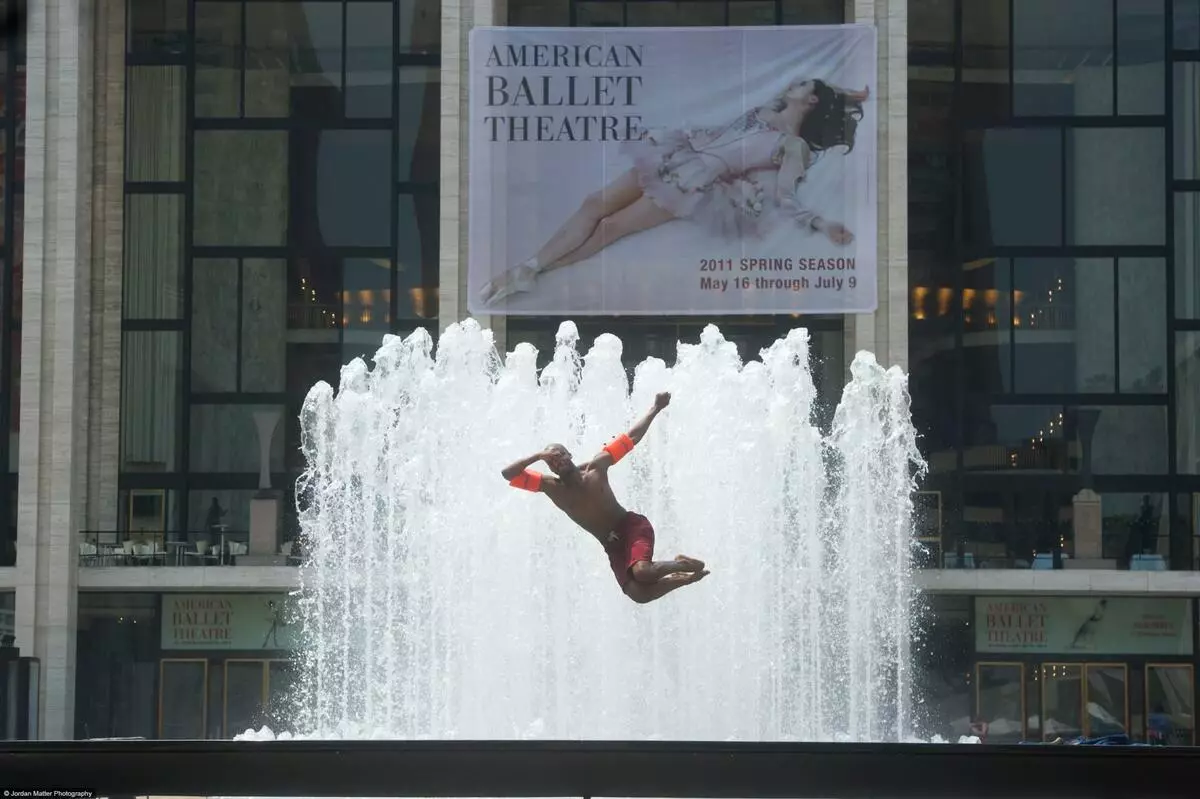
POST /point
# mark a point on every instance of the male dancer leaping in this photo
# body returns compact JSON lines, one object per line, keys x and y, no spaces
{"x":584,"y":494}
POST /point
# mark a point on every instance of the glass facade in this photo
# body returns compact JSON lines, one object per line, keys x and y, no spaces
{"x":281,"y":216}
{"x":12,"y":239}
{"x":144,"y":670}
{"x":1052,"y":235}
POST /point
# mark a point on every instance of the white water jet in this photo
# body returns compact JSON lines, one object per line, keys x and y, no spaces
{"x":438,"y":602}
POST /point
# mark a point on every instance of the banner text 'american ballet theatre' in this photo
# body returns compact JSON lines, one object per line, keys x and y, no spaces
{"x":561,"y":103}
{"x":672,"y":171}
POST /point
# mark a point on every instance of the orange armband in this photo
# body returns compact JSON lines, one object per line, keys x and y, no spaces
{"x":619,"y":447}
{"x":527,"y":480}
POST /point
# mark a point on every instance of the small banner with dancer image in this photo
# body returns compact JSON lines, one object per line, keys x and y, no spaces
{"x":672,"y":170}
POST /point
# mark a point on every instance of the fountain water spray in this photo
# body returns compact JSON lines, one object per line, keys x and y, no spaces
{"x":438,"y":602}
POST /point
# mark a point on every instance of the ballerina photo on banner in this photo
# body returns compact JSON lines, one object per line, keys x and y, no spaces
{"x":732,"y":215}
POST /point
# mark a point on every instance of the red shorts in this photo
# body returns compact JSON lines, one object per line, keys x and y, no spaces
{"x":632,"y":541}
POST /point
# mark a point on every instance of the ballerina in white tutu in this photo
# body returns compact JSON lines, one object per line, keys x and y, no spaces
{"x":734,"y":180}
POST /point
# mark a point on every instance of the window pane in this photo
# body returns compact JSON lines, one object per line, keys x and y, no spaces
{"x":154,"y":144}
{"x":529,"y":13}
{"x":1141,"y":49}
{"x":231,"y":517}
{"x":1062,"y":701}
{"x":281,"y":682}
{"x":1014,"y":187}
{"x":1185,"y":528}
{"x":1000,"y":703}
{"x":314,"y":294}
{"x":153,"y":256}
{"x":1187,"y":120}
{"x":218,"y":59}
{"x":931,"y":27}
{"x":419,"y":121}
{"x":244,"y":681}
{"x":813,"y":12}
{"x":1142,"y":315}
{"x":598,"y":15}
{"x":241,"y":187}
{"x":1062,"y":55}
{"x":354,"y":188}
{"x":675,"y":14}
{"x":1107,"y":699}
{"x":157,"y":26}
{"x":214,"y":325}
{"x":1187,"y":24}
{"x":369,"y":59}
{"x":117,"y":665}
{"x":264,"y":314}
{"x":751,"y":12}
{"x":1187,"y":255}
{"x":1006,"y":437}
{"x":417,"y":256}
{"x":183,"y":697}
{"x":225,"y":438}
{"x":1187,"y":397}
{"x":1058,"y":349}
{"x":294,"y":59}
{"x":1115,"y":186}
{"x":150,"y":392}
{"x":985,"y":40}
{"x":367,"y":295}
{"x":421,"y":26}
{"x":1134,"y":525}
{"x":1170,"y":705}
{"x":1130,"y":440}
{"x":987,"y":324}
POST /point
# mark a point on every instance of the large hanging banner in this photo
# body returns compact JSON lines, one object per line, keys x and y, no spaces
{"x":672,"y":170}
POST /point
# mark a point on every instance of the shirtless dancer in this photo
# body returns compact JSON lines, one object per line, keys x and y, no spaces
{"x":583,"y":493}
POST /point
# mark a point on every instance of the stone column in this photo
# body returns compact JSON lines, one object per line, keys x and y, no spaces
{"x":458,"y":17}
{"x":885,"y":332}
{"x":55,"y":347}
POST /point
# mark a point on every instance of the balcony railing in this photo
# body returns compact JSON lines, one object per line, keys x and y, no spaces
{"x":98,"y":548}
{"x":597,"y":768}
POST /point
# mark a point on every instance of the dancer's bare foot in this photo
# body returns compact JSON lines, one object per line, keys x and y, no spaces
{"x":838,"y":233}
{"x":688,"y":564}
{"x":685,"y":578}
{"x":515,"y":281}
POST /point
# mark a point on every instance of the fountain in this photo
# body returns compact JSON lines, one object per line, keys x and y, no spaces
{"x":441,"y":603}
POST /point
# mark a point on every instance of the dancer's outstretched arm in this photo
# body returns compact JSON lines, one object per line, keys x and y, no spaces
{"x":622,"y":445}
{"x":796,"y":157}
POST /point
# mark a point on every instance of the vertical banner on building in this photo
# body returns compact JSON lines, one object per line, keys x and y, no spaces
{"x":672,"y":170}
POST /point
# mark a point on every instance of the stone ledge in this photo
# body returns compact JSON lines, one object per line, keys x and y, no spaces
{"x":1075,"y":581}
{"x":934,"y":581}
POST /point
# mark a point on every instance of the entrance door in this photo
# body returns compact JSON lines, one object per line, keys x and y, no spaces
{"x":182,"y":698}
{"x":1084,"y":699}
{"x":255,"y":693}
{"x":1000,"y":702}
{"x":1170,"y":704}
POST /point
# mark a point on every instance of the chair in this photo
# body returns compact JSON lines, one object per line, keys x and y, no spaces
{"x":88,"y":553}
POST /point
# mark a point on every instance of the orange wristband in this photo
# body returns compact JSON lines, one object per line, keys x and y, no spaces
{"x":619,"y":447}
{"x":527,"y":480}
